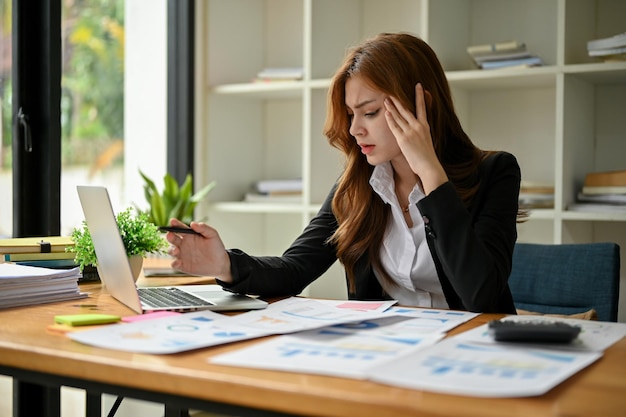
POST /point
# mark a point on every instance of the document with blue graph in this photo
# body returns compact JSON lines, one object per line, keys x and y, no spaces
{"x":349,"y":349}
{"x":454,"y":366}
{"x":473,"y":363}
{"x":206,"y":328}
{"x":406,"y":349}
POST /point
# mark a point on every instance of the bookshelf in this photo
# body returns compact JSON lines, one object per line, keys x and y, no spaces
{"x":561,"y":120}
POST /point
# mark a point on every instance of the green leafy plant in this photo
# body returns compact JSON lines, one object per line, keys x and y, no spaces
{"x":175,"y":201}
{"x":140,"y":237}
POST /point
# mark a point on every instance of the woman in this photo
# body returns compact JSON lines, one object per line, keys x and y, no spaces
{"x":419,"y":215}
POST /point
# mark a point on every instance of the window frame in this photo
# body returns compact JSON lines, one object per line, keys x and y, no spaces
{"x":36,"y":73}
{"x":180,"y":87}
{"x":36,"y":146}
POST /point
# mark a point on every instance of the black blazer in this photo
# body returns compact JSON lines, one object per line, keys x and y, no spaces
{"x":472,"y":247}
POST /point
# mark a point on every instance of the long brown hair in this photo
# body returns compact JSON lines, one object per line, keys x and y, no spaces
{"x":392,"y":64}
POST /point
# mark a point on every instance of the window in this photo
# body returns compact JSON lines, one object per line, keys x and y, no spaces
{"x":118,"y":74}
{"x":112,"y":102}
{"x":92,"y":101}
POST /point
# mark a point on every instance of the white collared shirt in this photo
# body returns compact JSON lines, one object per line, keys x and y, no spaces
{"x":404,"y":252}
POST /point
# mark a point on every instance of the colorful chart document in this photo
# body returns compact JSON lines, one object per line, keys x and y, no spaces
{"x":203,"y":329}
{"x":474,"y":364}
{"x":346,"y":350}
{"x":350,"y":349}
{"x":404,"y":349}
{"x":480,"y":370}
{"x":171,"y":334}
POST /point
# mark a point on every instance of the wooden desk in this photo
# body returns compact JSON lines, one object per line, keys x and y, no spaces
{"x":30,"y":353}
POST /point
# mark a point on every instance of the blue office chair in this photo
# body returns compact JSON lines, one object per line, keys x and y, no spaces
{"x":567,"y":278}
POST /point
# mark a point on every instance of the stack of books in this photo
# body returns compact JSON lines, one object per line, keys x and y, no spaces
{"x":47,"y":252}
{"x":536,"y":195}
{"x":507,"y":54}
{"x":22,"y":285}
{"x":281,"y":190}
{"x":602,"y":191}
{"x":608,"y":49}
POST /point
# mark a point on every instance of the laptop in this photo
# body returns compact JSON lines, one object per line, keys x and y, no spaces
{"x":115,"y":273}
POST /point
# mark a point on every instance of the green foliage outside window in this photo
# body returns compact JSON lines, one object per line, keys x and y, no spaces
{"x":92,"y":101}
{"x":92,"y":84}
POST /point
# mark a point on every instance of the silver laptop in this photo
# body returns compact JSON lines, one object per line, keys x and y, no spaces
{"x":115,"y":273}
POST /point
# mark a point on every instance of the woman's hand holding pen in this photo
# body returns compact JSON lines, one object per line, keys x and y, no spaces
{"x":413,"y":135}
{"x":199,"y":253}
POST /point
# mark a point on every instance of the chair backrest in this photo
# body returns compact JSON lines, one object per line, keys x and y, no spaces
{"x":567,"y":278}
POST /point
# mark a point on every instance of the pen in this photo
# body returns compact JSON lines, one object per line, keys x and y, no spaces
{"x":187,"y":230}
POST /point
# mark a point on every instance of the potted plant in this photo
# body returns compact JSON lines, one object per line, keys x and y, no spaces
{"x":175,"y":201}
{"x":140,"y":237}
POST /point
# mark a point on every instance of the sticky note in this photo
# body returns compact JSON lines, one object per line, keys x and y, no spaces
{"x":86,"y":319}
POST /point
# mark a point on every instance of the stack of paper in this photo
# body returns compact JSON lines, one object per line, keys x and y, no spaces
{"x":506,"y":54}
{"x":608,"y":49}
{"x":280,"y":190}
{"x":603,"y":191}
{"x":536,"y":195}
{"x":22,"y":285}
{"x":280,"y":74}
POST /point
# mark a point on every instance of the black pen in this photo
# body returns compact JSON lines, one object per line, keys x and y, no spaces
{"x":174,"y":229}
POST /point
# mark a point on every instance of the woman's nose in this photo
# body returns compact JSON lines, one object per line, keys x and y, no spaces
{"x":355,"y":127}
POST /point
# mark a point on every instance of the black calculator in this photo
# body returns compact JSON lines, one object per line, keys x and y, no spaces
{"x":535,"y":331}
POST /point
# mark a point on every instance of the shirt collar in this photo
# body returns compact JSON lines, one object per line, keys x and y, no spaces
{"x":383,"y":184}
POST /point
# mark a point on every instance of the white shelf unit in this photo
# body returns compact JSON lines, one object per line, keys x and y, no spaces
{"x":561,"y":120}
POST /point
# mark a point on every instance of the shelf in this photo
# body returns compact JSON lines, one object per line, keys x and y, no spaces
{"x":591,"y":216}
{"x":244,"y":207}
{"x":503,"y":78}
{"x":470,"y":79}
{"x":281,"y":89}
{"x":561,"y":120}
{"x":599,"y":73}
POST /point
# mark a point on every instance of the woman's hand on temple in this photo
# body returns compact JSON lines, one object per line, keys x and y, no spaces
{"x":201,"y":254}
{"x":413,"y":135}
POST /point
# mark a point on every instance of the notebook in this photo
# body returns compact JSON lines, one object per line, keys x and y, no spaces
{"x":115,"y":273}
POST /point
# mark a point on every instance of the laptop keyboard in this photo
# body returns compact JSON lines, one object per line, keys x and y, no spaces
{"x":169,"y":297}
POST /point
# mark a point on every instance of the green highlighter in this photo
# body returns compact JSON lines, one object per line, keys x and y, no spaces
{"x":86,"y":319}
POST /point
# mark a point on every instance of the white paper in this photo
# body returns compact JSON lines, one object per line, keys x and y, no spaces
{"x":298,"y":314}
{"x":433,"y":320}
{"x":399,"y":349}
{"x":22,"y":285}
{"x":349,"y":349}
{"x":168,"y":334}
{"x":473,"y":369}
{"x":346,"y":350}
{"x":202,"y":329}
{"x":10,"y":272}
{"x":38,"y":299}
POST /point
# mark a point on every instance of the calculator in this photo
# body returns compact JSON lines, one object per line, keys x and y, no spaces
{"x":536,"y":331}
